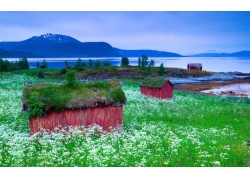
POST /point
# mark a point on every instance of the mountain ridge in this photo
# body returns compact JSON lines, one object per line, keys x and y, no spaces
{"x":244,"y":53}
{"x":63,"y":46}
{"x":54,"y":45}
{"x":148,"y":52}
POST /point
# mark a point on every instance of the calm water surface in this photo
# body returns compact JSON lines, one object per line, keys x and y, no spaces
{"x":214,"y":64}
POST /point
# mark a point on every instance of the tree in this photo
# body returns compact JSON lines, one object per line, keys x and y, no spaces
{"x":37,"y":64}
{"x":106,"y":63}
{"x":78,"y":64}
{"x":152,"y":63}
{"x":161,"y":70}
{"x":83,"y":65}
{"x":139,"y":61}
{"x":144,"y":60}
{"x":23,"y":63}
{"x":124,"y":61}
{"x":44,"y":64}
{"x":3,"y":66}
{"x":66,"y":65}
{"x":98,"y":64}
{"x":91,"y":63}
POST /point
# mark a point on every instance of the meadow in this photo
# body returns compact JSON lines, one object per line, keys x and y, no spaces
{"x":190,"y":130}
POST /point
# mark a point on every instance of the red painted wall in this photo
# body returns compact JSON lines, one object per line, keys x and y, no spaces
{"x":103,"y":116}
{"x":166,"y":92}
{"x":194,"y":68}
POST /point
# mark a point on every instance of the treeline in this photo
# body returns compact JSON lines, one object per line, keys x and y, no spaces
{"x":6,"y":65}
{"x":22,"y":63}
{"x":144,"y":64}
{"x":81,"y":64}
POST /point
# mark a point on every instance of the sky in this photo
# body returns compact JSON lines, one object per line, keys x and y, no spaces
{"x":183,"y":32}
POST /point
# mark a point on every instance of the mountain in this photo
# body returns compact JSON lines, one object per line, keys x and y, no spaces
{"x":56,"y":45}
{"x":149,"y":53}
{"x":241,"y":54}
{"x":235,"y":54}
{"x":15,"y":54}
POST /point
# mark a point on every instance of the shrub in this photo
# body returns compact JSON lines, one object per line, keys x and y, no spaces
{"x":118,"y":95}
{"x":161,"y":70}
{"x":40,"y":74}
{"x":71,"y":78}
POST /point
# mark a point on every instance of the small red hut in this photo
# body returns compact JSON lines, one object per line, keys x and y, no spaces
{"x":159,"y":88}
{"x":194,"y":66}
{"x":60,"y":106}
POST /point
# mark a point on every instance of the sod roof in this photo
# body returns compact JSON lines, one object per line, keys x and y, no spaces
{"x":154,"y":82}
{"x":83,"y":95}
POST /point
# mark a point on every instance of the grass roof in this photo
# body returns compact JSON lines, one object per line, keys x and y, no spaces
{"x":40,"y":98}
{"x":153,"y":82}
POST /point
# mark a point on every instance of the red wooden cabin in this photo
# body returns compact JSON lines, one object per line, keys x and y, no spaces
{"x":194,"y":66}
{"x":107,"y":114}
{"x":161,"y":90}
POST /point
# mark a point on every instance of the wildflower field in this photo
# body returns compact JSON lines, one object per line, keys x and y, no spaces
{"x":190,"y":130}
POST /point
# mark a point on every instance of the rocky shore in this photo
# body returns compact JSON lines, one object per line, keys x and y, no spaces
{"x":234,"y":84}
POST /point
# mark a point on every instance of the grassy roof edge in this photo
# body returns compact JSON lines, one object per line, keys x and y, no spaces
{"x":154,"y":82}
{"x":41,"y":98}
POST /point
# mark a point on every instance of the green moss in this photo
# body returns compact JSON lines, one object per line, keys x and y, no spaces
{"x":118,"y":95}
{"x":43,"y":98}
{"x":153,"y":82}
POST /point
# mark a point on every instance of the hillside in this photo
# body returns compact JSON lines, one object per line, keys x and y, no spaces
{"x":16,"y":54}
{"x":150,"y":53}
{"x":55,"y":45}
{"x":235,"y":54}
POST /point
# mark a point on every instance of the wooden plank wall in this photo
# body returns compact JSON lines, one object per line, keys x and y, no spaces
{"x":166,"y":92}
{"x":106,"y":117}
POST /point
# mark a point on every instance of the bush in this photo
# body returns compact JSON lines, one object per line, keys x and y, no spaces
{"x":118,"y":95}
{"x":40,"y":74}
{"x":71,"y":78}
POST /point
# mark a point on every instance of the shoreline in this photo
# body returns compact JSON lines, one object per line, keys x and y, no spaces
{"x":220,"y":84}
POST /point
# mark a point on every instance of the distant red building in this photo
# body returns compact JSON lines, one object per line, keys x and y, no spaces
{"x":162,"y":90}
{"x":194,"y":66}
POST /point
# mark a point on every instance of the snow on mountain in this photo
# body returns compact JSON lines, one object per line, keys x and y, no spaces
{"x":53,"y":38}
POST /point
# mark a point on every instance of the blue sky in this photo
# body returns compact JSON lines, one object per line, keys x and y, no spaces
{"x":183,"y":32}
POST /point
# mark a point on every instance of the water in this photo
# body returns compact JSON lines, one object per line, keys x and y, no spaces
{"x":214,"y":64}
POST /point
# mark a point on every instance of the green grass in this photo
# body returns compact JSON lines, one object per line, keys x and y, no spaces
{"x":190,"y":130}
{"x":46,"y":97}
{"x":154,"y":82}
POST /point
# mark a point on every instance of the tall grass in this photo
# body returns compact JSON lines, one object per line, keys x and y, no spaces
{"x":187,"y":131}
